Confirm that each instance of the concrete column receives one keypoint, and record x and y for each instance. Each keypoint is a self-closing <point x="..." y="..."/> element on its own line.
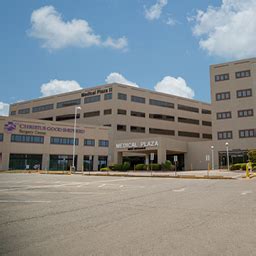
<point x="45" y="162"/>
<point x="80" y="161"/>
<point x="95" y="163"/>
<point x="147" y="159"/>
<point x="161" y="156"/>
<point x="5" y="161"/>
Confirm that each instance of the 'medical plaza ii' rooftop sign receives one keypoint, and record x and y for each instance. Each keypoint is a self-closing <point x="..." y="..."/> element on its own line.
<point x="141" y="144"/>
<point x="96" y="92"/>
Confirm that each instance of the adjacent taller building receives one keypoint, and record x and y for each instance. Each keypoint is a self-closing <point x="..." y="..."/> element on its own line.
<point x="233" y="97"/>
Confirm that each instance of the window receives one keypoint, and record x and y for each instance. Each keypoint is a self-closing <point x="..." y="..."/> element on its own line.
<point x="247" y="133"/>
<point x="138" y="99"/>
<point x="103" y="143"/>
<point x="67" y="117"/>
<point x="206" y="111"/>
<point x="121" y="96"/>
<point x="107" y="111"/>
<point x="102" y="162"/>
<point x="207" y="136"/>
<point x="108" y="96"/>
<point x="221" y="77"/>
<point x="92" y="99"/>
<point x="160" y="103"/>
<point x="225" y="135"/>
<point x="24" y="111"/>
<point x="223" y="96"/>
<point x="244" y="93"/>
<point x="89" y="142"/>
<point x="138" y="114"/>
<point x="63" y="141"/>
<point x="245" y="73"/>
<point x="107" y="125"/>
<point x="161" y="117"/>
<point x="13" y="113"/>
<point x="224" y="115"/>
<point x="68" y="103"/>
<point x="91" y="114"/>
<point x="161" y="131"/>
<point x="245" y="113"/>
<point x="137" y="129"/>
<point x="189" y="134"/>
<point x="46" y="118"/>
<point x="206" y="123"/>
<point x="121" y="127"/>
<point x="121" y="112"/>
<point x="42" y="108"/>
<point x="188" y="120"/>
<point x="1" y="137"/>
<point x="27" y="138"/>
<point x="188" y="108"/>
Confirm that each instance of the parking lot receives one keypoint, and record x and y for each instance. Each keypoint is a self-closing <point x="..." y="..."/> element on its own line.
<point x="87" y="215"/>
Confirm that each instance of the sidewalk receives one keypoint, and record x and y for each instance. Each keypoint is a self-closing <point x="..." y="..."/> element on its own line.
<point x="202" y="174"/>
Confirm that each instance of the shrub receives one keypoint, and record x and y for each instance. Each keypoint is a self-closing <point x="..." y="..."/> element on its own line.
<point x="167" y="166"/>
<point x="104" y="169"/>
<point x="117" y="167"/>
<point x="239" y="166"/>
<point x="140" y="167"/>
<point x="155" y="167"/>
<point x="126" y="166"/>
<point x="252" y="155"/>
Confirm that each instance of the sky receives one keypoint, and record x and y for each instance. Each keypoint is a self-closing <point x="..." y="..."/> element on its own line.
<point x="50" y="47"/>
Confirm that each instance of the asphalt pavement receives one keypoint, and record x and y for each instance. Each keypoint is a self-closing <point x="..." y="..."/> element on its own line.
<point x="87" y="215"/>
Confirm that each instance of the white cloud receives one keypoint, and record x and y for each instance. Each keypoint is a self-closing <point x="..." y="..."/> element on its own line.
<point x="228" y="30"/>
<point x="155" y="11"/>
<point x="174" y="86"/>
<point x="118" y="78"/>
<point x="48" y="26"/>
<point x="4" y="109"/>
<point x="171" y="22"/>
<point x="59" y="86"/>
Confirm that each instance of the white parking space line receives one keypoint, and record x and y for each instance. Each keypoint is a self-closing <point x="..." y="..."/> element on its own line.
<point x="101" y="186"/>
<point x="246" y="192"/>
<point x="179" y="190"/>
<point x="26" y="201"/>
<point x="54" y="192"/>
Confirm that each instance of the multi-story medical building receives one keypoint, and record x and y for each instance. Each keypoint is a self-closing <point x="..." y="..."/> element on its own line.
<point x="233" y="96"/>
<point x="145" y="125"/>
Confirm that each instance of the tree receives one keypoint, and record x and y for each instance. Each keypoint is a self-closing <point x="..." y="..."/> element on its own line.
<point x="252" y="155"/>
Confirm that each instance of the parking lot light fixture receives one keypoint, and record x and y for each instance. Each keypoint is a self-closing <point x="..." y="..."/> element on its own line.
<point x="226" y="144"/>
<point x="212" y="148"/>
<point x="74" y="140"/>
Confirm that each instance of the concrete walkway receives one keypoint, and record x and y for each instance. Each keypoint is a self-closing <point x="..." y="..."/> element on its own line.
<point x="215" y="174"/>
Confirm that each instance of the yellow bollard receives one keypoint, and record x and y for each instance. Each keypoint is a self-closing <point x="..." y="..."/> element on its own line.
<point x="247" y="171"/>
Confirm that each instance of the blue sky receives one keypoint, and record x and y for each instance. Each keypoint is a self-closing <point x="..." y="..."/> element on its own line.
<point x="50" y="47"/>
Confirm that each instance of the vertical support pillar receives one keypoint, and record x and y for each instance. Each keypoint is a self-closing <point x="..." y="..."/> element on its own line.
<point x="45" y="162"/>
<point x="161" y="156"/>
<point x="95" y="162"/>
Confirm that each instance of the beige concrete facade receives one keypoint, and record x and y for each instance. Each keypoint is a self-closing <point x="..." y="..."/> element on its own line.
<point x="193" y="130"/>
<point x="33" y="137"/>
<point x="235" y="112"/>
<point x="131" y="113"/>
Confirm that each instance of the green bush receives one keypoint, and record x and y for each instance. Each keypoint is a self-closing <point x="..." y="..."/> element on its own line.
<point x="104" y="169"/>
<point x="140" y="167"/>
<point x="155" y="167"/>
<point x="167" y="166"/>
<point x="117" y="167"/>
<point x="126" y="166"/>
<point x="239" y="166"/>
<point x="252" y="155"/>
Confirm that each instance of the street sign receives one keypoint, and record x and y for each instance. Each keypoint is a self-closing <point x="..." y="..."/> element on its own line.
<point x="152" y="155"/>
<point x="175" y="158"/>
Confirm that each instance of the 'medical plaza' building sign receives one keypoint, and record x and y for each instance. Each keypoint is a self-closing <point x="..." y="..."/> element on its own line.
<point x="96" y="91"/>
<point x="141" y="144"/>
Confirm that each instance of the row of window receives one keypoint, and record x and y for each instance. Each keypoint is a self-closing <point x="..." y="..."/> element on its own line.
<point x="54" y="140"/>
<point x="239" y="74"/>
<point x="240" y="113"/>
<point x="239" y="94"/>
<point x="140" y="129"/>
<point x="108" y="96"/>
<point x="247" y="133"/>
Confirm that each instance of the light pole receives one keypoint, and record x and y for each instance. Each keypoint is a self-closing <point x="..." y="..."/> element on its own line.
<point x="74" y="140"/>
<point x="212" y="147"/>
<point x="227" y="155"/>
